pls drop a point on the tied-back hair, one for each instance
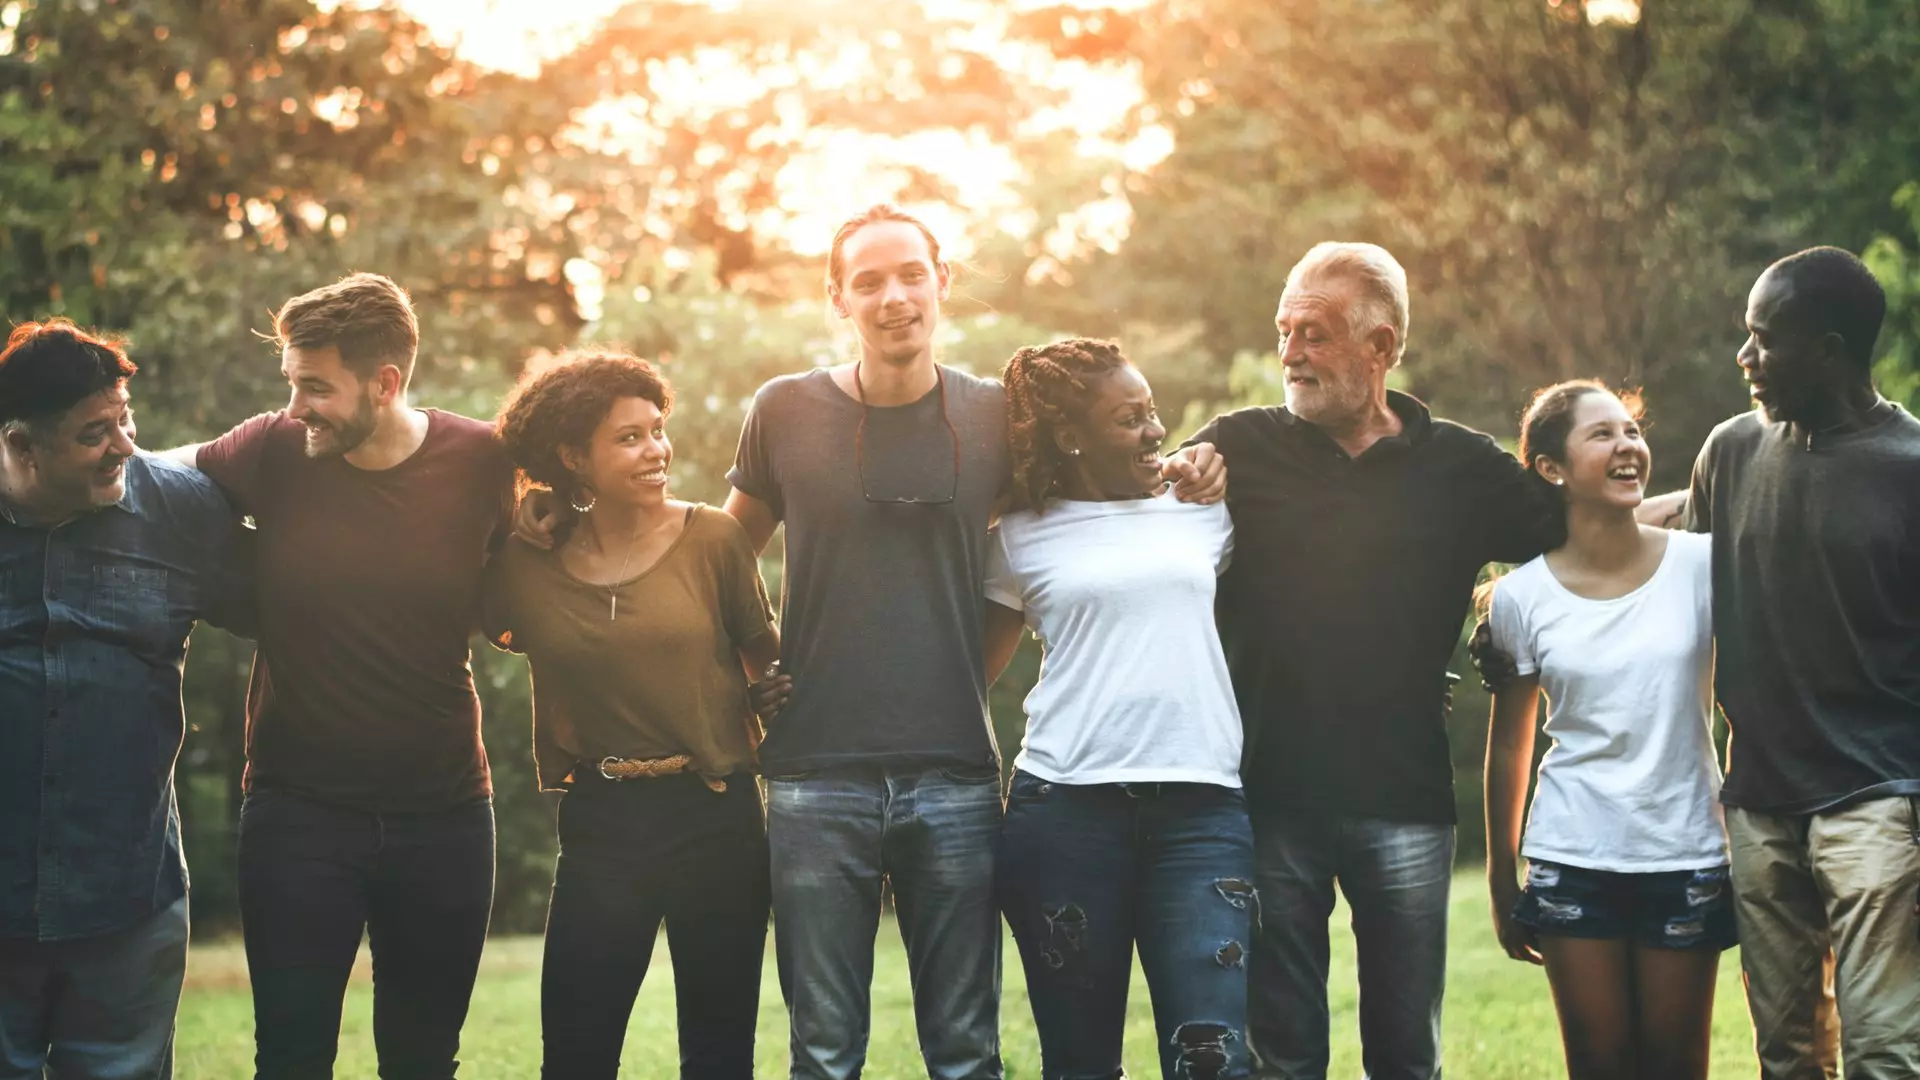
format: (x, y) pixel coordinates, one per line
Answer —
(1047, 387)
(1544, 428)
(878, 212)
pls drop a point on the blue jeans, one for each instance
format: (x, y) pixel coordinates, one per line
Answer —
(1089, 870)
(313, 877)
(835, 836)
(1396, 877)
(94, 1007)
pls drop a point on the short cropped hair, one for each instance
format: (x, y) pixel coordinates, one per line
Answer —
(49, 367)
(1835, 293)
(365, 316)
(1382, 281)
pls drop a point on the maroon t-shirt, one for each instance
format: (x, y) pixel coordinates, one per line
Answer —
(369, 590)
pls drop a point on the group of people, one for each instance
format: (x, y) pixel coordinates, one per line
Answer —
(1241, 707)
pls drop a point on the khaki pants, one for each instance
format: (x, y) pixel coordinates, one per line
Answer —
(1826, 904)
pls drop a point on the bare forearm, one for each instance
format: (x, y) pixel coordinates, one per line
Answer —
(754, 516)
(1003, 638)
(1666, 511)
(188, 455)
(1509, 757)
(758, 655)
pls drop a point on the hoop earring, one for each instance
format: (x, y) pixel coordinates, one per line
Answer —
(573, 500)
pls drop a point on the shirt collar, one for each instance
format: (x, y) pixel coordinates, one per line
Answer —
(1416, 425)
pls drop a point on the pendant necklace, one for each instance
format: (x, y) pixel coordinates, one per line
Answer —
(613, 595)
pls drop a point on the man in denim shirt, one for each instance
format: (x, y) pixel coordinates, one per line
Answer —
(107, 558)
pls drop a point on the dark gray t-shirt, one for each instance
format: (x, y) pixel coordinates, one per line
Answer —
(882, 605)
(1816, 609)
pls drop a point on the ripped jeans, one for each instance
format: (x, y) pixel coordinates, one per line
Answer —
(1088, 871)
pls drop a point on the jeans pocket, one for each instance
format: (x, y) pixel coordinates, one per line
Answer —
(1027, 788)
(792, 777)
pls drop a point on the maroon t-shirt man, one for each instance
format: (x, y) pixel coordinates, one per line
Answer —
(369, 591)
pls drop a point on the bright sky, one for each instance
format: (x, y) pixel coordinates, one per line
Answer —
(842, 171)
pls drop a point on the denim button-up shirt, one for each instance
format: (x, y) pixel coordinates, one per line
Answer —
(94, 616)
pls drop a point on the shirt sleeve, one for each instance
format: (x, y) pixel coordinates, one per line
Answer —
(1511, 634)
(1224, 521)
(1002, 587)
(1518, 520)
(1698, 514)
(496, 600)
(745, 608)
(228, 600)
(752, 473)
(237, 460)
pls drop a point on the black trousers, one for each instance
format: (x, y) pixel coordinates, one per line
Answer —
(313, 878)
(633, 854)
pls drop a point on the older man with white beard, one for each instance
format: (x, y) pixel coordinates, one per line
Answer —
(1361, 523)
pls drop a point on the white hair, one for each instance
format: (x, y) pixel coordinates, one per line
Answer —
(1382, 281)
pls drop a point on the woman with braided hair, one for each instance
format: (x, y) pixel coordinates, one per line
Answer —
(1125, 824)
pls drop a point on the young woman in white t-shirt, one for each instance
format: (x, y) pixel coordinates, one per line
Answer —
(1627, 899)
(1125, 824)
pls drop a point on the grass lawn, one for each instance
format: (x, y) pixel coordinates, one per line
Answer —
(1499, 1019)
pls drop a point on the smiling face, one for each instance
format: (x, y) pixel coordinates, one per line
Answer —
(81, 465)
(1118, 437)
(626, 459)
(339, 410)
(1330, 373)
(1606, 460)
(890, 288)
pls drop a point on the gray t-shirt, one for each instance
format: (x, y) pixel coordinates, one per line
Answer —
(1816, 609)
(882, 604)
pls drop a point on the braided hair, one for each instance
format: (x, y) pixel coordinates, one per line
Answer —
(1048, 386)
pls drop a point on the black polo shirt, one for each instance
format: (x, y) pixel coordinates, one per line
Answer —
(1350, 582)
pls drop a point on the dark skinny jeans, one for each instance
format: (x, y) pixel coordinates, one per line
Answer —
(633, 854)
(313, 877)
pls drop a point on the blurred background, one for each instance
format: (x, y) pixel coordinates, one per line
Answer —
(1575, 189)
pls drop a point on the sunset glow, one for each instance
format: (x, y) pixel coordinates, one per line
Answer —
(839, 170)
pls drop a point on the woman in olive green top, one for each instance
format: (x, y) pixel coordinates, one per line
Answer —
(641, 627)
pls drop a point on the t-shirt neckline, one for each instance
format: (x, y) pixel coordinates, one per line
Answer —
(686, 526)
(1666, 557)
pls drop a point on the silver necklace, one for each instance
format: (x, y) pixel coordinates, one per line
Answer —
(613, 590)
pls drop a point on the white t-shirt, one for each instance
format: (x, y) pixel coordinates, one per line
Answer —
(1133, 683)
(1630, 783)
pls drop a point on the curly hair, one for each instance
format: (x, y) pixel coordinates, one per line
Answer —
(560, 404)
(1048, 386)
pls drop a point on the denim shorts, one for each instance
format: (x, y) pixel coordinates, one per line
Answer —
(1679, 909)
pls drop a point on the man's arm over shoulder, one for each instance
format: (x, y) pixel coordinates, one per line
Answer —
(218, 543)
(237, 461)
(1514, 513)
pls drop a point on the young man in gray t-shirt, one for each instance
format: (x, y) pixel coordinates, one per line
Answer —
(1814, 506)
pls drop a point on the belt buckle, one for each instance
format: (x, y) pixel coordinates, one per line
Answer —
(602, 764)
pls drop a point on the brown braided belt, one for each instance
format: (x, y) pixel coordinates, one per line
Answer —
(614, 768)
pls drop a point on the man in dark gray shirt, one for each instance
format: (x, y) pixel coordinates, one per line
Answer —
(1814, 506)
